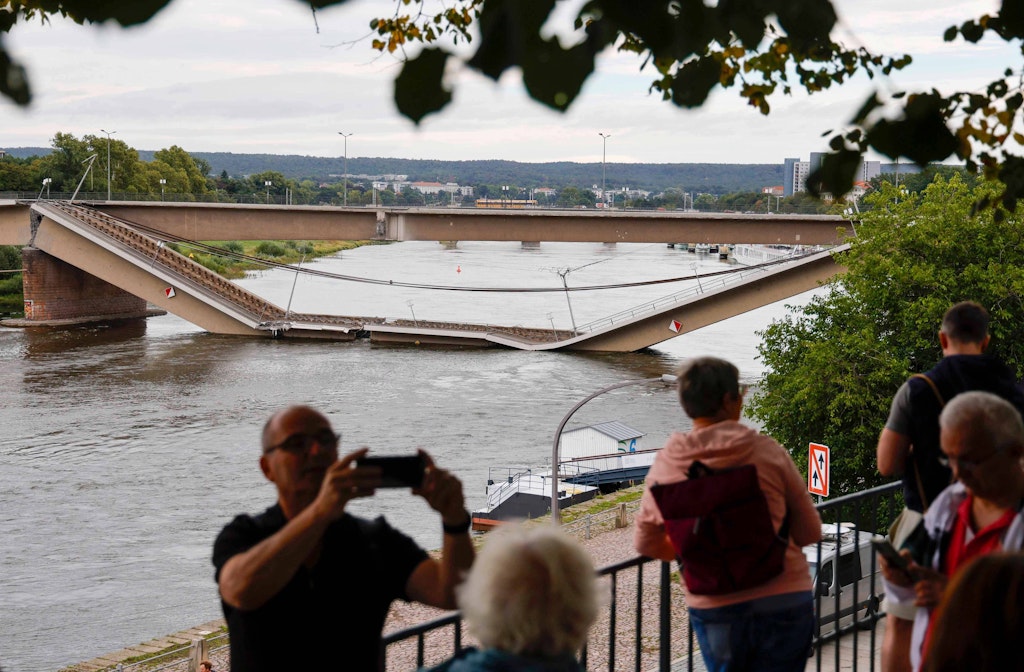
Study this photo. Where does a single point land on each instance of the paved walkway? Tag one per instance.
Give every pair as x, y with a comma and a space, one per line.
863, 653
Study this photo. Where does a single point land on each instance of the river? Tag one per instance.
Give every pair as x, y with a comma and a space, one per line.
126, 448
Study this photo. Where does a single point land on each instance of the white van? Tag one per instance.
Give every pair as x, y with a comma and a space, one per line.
846, 565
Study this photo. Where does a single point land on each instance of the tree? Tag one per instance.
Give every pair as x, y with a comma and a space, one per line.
763, 48
834, 365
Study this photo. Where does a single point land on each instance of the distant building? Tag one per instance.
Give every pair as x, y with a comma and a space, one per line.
3, 154
427, 187
795, 172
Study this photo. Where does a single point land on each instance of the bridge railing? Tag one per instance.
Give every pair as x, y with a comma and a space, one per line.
648, 307
644, 625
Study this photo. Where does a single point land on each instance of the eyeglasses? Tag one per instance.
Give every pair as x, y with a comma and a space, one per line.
963, 463
300, 442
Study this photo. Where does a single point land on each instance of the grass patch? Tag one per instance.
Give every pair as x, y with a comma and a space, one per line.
602, 503
278, 251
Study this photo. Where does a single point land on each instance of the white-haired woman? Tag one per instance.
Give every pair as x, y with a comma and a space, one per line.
530, 600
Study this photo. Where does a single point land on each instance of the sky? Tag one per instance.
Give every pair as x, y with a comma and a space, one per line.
260, 76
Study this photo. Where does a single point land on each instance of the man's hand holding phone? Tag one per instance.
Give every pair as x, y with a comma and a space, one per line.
897, 566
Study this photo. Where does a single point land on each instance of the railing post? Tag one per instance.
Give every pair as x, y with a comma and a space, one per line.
587, 526
197, 653
621, 521
665, 621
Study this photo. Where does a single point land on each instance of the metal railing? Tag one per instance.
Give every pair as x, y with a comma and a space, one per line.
863, 514
705, 283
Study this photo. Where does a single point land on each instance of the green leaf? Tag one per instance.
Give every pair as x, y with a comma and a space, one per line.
1011, 16
555, 76
921, 135
419, 88
869, 106
694, 81
972, 31
950, 34
836, 173
125, 13
806, 20
13, 80
509, 30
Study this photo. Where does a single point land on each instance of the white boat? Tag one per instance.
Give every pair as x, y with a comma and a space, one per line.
596, 458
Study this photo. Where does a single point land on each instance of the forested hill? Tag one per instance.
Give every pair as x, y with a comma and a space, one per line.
715, 178
704, 177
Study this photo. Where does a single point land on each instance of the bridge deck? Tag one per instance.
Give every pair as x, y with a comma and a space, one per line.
142, 264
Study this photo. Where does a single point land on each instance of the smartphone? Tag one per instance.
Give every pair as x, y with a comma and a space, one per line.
891, 555
398, 471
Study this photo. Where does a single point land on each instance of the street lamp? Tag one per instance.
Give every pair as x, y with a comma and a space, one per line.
504, 195
268, 184
109, 133
46, 186
345, 135
556, 514
163, 182
604, 150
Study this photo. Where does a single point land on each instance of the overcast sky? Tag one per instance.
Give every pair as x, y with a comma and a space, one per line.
256, 76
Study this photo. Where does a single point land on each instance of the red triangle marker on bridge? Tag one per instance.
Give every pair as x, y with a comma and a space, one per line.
675, 325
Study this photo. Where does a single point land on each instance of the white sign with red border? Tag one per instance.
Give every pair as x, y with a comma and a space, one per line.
817, 469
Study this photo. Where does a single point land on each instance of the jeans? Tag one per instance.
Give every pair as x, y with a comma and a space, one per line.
756, 636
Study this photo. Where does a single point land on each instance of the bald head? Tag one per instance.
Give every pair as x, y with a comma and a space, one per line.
272, 430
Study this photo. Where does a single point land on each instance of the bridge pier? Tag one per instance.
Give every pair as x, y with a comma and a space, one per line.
57, 291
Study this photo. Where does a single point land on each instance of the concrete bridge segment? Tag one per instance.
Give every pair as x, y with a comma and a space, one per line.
139, 265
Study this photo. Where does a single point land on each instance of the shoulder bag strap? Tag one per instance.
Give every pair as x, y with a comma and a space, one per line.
917, 471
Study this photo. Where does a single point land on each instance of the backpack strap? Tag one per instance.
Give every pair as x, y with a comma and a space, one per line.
935, 388
917, 471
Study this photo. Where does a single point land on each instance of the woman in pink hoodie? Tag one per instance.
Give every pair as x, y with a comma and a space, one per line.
761, 627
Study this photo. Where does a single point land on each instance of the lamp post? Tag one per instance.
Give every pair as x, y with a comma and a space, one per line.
556, 513
504, 196
268, 184
46, 186
109, 133
604, 150
345, 135
564, 272
163, 183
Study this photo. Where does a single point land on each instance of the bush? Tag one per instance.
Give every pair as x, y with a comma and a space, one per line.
269, 248
234, 246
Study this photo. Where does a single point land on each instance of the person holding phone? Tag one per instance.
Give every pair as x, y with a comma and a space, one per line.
982, 441
305, 584
909, 444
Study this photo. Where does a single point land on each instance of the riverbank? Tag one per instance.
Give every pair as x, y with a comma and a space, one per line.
595, 524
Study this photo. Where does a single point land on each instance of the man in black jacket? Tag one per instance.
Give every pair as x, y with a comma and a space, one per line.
909, 443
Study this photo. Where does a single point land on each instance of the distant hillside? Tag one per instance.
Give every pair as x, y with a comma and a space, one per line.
715, 178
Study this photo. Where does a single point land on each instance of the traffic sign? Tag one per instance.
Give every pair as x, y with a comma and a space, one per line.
817, 469
675, 325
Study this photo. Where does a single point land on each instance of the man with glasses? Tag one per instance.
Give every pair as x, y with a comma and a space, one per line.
306, 585
982, 441
909, 444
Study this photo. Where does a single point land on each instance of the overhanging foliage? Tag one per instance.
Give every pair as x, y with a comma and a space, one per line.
762, 48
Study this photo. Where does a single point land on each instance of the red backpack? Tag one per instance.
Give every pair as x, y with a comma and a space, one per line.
720, 526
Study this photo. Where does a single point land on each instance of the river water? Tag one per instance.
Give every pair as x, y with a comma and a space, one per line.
126, 448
